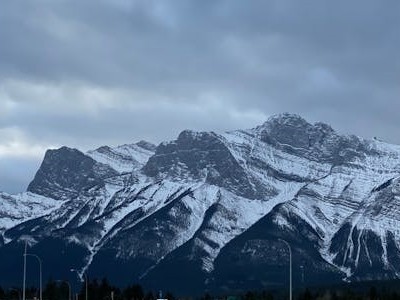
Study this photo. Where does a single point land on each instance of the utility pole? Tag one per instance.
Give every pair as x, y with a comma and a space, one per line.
86, 281
302, 274
24, 280
40, 270
290, 267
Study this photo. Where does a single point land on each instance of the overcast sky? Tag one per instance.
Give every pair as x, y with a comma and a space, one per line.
95, 72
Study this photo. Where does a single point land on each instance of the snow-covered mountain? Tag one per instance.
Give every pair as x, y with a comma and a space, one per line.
210, 209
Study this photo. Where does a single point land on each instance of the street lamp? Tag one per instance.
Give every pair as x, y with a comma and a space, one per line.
69, 287
290, 267
86, 280
40, 271
24, 281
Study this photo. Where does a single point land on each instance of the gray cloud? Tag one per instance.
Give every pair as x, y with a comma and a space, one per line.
87, 73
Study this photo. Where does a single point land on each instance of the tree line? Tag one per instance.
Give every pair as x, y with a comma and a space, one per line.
97, 290
103, 290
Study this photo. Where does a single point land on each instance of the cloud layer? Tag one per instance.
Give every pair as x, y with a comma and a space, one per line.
88, 73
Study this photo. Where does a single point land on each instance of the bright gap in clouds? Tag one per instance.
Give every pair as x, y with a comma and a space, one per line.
20, 158
15, 144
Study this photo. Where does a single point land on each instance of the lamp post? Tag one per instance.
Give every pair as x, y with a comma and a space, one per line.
290, 267
40, 271
69, 287
24, 280
86, 281
302, 274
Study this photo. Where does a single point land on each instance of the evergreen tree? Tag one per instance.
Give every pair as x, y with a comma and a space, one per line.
306, 295
134, 292
93, 289
250, 296
206, 296
394, 296
63, 290
104, 290
372, 294
266, 295
32, 293
169, 296
14, 293
149, 296
2, 293
50, 292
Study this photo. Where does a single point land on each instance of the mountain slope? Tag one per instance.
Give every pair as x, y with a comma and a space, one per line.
16, 209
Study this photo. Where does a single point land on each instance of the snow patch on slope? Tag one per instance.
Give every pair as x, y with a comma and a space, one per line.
15, 209
124, 158
235, 215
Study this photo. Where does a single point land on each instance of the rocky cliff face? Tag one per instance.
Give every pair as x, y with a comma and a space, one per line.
210, 208
65, 173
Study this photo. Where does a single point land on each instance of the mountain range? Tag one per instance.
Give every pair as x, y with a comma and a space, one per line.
208, 211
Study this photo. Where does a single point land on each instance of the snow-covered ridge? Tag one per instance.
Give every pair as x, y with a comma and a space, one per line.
15, 209
124, 158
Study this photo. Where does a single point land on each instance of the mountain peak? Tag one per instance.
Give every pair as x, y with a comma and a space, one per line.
318, 141
286, 120
146, 145
64, 172
293, 130
191, 135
